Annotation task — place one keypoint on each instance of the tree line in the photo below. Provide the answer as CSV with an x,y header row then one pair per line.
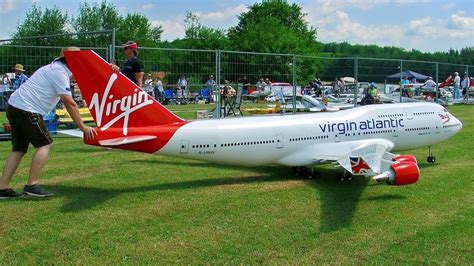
x,y
270,26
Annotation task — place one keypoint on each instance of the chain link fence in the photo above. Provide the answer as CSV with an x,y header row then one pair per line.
x,y
207,71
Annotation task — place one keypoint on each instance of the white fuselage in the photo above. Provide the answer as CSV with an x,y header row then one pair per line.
x,y
295,140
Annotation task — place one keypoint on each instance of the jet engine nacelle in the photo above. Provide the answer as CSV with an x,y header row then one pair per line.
x,y
400,174
404,158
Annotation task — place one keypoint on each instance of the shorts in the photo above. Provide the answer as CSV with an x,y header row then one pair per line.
x,y
27,128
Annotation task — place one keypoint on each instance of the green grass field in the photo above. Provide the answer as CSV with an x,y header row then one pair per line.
x,y
121,207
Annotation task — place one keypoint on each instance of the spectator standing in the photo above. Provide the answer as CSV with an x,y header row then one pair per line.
x,y
245,85
457,83
261,85
317,88
268,82
211,86
465,87
182,85
20,77
280,96
342,86
336,85
5,82
148,87
159,90
133,69
430,84
26,108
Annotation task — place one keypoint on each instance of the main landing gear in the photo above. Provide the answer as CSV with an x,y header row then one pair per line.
x,y
345,176
305,172
430,158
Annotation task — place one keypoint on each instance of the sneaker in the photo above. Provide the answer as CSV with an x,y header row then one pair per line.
x,y
9,194
37,191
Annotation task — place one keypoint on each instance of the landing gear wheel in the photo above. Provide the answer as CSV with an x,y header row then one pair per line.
x,y
346,176
309,173
431,159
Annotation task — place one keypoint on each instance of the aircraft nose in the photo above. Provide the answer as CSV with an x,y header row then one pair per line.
x,y
458,123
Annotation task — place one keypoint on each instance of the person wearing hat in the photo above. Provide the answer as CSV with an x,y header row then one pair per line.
x,y
430,84
148,87
20,77
26,108
211,86
133,69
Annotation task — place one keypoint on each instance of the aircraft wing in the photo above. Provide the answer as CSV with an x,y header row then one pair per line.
x,y
364,157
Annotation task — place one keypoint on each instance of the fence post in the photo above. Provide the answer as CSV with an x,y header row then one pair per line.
x,y
356,77
218,81
112,50
401,78
437,82
294,84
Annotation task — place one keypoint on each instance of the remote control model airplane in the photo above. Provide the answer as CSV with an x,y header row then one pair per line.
x,y
360,140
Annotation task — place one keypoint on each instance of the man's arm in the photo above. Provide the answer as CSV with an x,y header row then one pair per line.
x,y
73,111
139,78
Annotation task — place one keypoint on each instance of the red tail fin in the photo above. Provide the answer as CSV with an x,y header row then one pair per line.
x,y
112,98
124,113
447,82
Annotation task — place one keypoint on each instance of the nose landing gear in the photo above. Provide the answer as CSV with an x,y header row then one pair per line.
x,y
431,158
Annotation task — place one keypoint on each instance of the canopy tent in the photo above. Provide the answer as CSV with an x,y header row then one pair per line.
x,y
348,79
410,74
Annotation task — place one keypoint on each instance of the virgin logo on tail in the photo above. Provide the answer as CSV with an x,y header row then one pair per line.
x,y
118,108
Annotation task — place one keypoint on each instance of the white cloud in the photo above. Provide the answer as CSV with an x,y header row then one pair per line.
x,y
7,6
344,29
229,13
172,29
449,5
460,26
461,21
409,2
147,6
417,23
336,25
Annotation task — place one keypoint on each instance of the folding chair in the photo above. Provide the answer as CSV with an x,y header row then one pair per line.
x,y
234,103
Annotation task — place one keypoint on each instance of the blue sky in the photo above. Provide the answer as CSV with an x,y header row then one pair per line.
x,y
426,25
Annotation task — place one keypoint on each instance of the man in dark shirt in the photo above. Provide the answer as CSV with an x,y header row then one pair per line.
x,y
133,69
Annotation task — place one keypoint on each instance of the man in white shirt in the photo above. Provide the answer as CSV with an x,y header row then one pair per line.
x,y
149,85
457,82
26,108
430,84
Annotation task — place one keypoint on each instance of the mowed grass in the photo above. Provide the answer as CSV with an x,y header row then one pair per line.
x,y
122,207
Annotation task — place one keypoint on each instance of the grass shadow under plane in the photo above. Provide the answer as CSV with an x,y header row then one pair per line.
x,y
338,199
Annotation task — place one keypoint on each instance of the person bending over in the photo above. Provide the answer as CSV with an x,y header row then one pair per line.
x,y
26,108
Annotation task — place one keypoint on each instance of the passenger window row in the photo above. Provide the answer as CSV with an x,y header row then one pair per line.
x,y
249,143
390,115
417,129
424,113
309,138
379,132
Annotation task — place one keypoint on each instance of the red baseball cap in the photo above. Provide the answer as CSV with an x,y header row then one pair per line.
x,y
131,44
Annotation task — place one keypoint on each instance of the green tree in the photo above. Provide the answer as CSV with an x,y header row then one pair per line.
x,y
274,26
42,22
198,36
138,28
